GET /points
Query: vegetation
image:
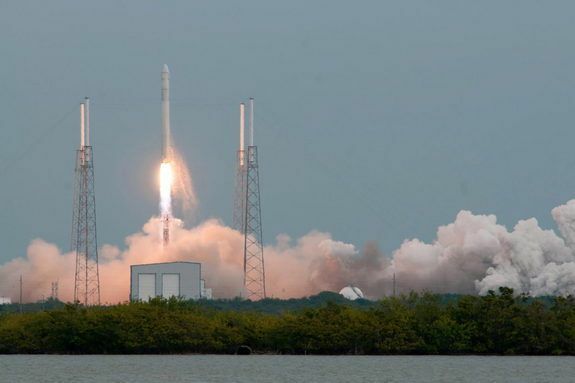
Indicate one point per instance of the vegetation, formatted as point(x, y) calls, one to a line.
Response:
point(499, 323)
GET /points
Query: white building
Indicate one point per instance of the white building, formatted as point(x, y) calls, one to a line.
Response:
point(5, 301)
point(206, 293)
point(352, 293)
point(169, 279)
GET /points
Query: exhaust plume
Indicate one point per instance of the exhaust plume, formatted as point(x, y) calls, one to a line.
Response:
point(474, 254)
point(183, 188)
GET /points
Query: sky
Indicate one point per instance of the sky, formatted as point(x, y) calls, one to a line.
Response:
point(375, 120)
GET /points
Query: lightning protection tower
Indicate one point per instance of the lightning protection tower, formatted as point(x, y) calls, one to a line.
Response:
point(84, 239)
point(54, 293)
point(240, 190)
point(254, 271)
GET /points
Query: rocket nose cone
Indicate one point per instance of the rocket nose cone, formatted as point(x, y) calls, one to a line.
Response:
point(165, 69)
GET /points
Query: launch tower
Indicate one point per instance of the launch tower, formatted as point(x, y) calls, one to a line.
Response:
point(250, 218)
point(84, 239)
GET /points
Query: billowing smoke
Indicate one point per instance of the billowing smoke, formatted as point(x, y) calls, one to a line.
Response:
point(292, 270)
point(316, 262)
point(474, 254)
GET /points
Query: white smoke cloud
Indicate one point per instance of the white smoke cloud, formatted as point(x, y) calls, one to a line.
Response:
point(564, 216)
point(474, 254)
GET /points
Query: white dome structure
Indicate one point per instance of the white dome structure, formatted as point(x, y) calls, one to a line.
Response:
point(351, 292)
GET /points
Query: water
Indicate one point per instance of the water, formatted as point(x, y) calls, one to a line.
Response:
point(252, 369)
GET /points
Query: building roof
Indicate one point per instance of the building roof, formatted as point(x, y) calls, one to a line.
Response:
point(166, 263)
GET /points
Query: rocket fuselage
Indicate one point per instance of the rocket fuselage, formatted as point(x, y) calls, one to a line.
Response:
point(166, 168)
point(166, 138)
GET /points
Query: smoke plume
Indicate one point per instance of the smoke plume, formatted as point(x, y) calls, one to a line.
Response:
point(474, 254)
point(183, 188)
point(218, 247)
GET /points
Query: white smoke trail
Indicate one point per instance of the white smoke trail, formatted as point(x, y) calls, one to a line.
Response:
point(183, 187)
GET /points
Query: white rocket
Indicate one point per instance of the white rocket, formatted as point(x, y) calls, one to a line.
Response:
point(165, 168)
point(166, 135)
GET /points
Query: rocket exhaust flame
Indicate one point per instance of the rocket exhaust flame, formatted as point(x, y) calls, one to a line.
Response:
point(166, 182)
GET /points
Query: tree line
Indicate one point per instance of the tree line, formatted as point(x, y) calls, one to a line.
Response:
point(498, 323)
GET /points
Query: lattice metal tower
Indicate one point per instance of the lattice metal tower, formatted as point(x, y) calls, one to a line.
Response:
point(240, 191)
point(84, 239)
point(254, 271)
point(54, 292)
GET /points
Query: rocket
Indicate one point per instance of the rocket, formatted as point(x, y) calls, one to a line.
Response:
point(166, 144)
point(166, 167)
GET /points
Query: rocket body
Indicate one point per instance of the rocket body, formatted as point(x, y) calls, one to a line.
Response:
point(166, 136)
point(166, 171)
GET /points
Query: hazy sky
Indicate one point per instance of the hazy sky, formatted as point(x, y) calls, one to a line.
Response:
point(374, 120)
